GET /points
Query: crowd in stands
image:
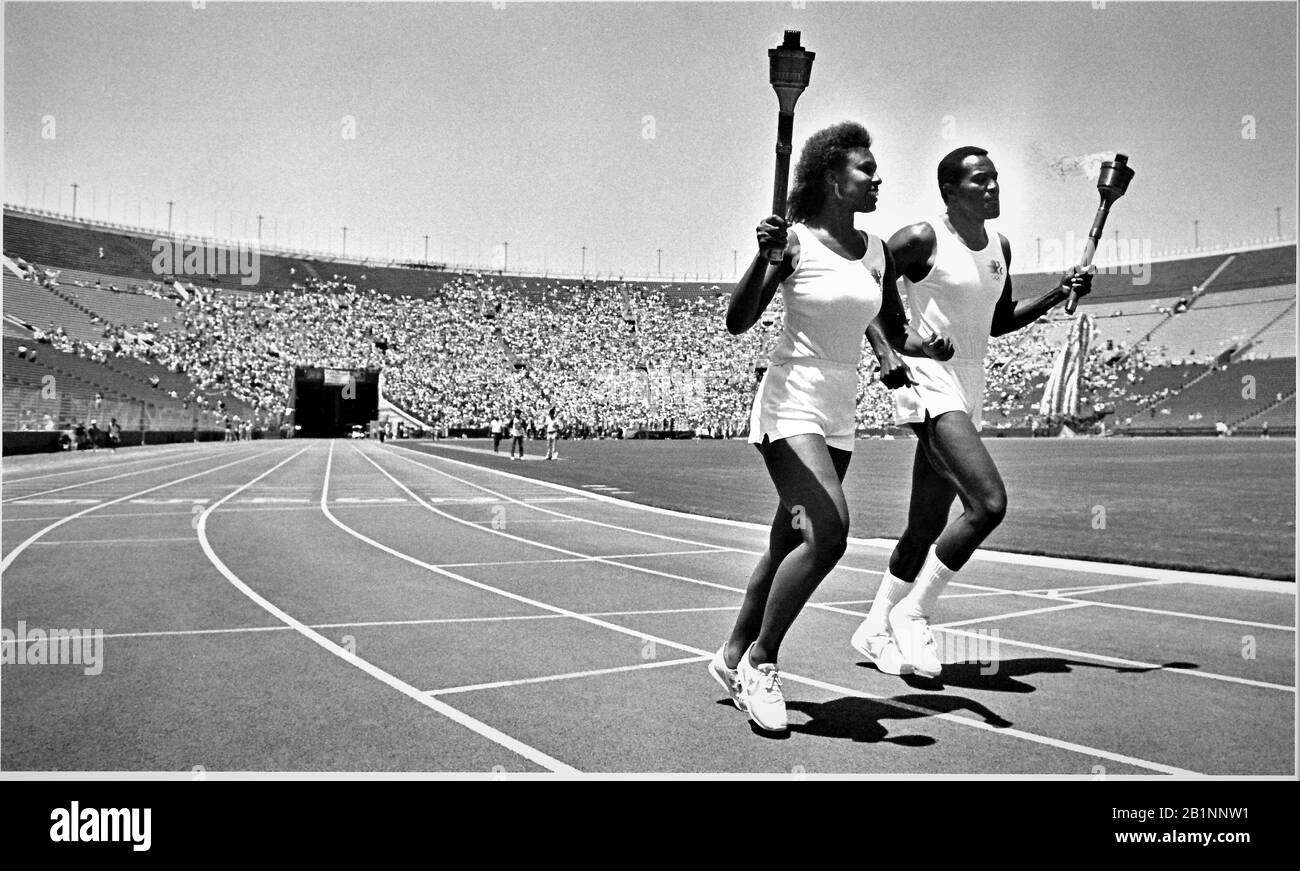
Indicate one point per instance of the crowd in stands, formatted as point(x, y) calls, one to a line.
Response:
point(607, 357)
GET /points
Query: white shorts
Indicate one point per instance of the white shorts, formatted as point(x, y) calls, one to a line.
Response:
point(942, 387)
point(800, 398)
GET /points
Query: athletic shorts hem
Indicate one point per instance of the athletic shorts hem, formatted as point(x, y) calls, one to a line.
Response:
point(797, 398)
point(787, 429)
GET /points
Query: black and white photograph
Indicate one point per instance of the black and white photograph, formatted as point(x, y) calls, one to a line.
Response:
point(518, 391)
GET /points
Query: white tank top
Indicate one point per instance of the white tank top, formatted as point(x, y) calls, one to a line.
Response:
point(829, 301)
point(959, 294)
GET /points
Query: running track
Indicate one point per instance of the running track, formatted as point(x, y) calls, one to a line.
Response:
point(347, 606)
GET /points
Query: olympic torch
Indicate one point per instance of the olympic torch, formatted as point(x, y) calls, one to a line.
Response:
point(791, 66)
point(1112, 184)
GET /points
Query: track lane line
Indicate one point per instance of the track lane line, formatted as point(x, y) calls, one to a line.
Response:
point(429, 621)
point(169, 513)
point(1101, 657)
point(18, 550)
point(916, 710)
point(529, 562)
point(1116, 606)
point(1047, 562)
point(481, 729)
point(820, 606)
point(1160, 575)
point(88, 467)
point(502, 684)
point(114, 541)
point(102, 480)
point(1030, 612)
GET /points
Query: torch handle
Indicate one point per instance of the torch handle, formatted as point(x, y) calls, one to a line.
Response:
point(781, 183)
point(1094, 239)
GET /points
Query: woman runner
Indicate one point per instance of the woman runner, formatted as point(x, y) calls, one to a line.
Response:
point(831, 277)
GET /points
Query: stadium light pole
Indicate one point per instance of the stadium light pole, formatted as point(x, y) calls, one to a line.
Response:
point(1039, 261)
point(1196, 234)
point(1277, 210)
point(735, 253)
point(169, 215)
point(505, 256)
point(259, 229)
point(74, 200)
point(660, 267)
point(345, 241)
point(584, 261)
point(426, 249)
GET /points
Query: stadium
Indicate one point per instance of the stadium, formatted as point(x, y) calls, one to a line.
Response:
point(260, 475)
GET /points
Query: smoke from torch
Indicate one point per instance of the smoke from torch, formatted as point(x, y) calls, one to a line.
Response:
point(1078, 166)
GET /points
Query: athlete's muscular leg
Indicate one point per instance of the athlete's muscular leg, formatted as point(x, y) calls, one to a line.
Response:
point(927, 513)
point(807, 476)
point(784, 536)
point(954, 445)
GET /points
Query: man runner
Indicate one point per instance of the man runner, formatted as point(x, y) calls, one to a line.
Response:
point(956, 272)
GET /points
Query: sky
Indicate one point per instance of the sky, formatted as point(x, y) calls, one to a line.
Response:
point(643, 132)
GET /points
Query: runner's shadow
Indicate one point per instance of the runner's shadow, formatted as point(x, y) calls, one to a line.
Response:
point(1001, 675)
point(852, 718)
point(857, 719)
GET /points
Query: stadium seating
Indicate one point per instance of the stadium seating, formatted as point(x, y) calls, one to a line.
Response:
point(1163, 278)
point(40, 307)
point(129, 254)
point(1222, 395)
point(1277, 338)
point(124, 308)
point(1216, 322)
point(1265, 267)
point(1177, 277)
point(1280, 418)
point(607, 353)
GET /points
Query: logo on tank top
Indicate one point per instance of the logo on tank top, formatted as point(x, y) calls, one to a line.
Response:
point(995, 267)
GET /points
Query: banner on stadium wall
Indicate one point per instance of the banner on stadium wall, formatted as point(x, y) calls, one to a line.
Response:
point(1061, 394)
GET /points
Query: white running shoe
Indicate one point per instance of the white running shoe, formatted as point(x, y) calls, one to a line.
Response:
point(880, 650)
point(916, 642)
point(760, 691)
point(727, 677)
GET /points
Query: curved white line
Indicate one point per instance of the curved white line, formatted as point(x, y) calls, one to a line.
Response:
point(153, 452)
point(13, 554)
point(347, 656)
point(1045, 562)
point(102, 480)
point(1082, 654)
point(889, 702)
point(966, 585)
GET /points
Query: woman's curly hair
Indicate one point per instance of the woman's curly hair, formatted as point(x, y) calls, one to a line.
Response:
point(827, 149)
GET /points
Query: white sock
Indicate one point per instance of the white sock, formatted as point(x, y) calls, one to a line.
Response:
point(931, 580)
point(891, 591)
